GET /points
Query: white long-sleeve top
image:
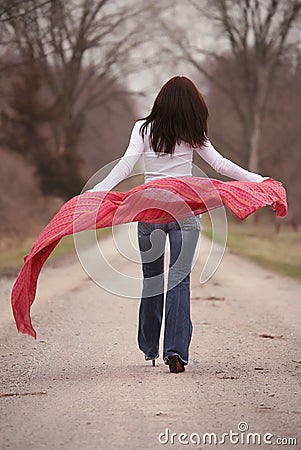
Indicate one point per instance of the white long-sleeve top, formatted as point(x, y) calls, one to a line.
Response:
point(166, 165)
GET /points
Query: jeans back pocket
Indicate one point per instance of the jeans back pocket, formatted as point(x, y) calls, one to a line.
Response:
point(190, 223)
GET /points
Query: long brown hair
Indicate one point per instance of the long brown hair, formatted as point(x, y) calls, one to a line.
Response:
point(179, 113)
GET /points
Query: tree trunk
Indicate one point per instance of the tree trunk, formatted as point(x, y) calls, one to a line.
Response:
point(257, 112)
point(253, 163)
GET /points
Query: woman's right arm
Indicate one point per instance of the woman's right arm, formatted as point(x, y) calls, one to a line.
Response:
point(224, 166)
point(126, 164)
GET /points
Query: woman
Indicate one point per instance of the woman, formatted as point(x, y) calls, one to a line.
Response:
point(166, 138)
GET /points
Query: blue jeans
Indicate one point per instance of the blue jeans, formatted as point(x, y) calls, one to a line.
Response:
point(183, 238)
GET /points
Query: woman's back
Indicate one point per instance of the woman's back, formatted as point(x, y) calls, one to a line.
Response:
point(167, 137)
point(178, 164)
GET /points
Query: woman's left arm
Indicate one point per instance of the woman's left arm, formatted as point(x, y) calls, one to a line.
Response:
point(224, 166)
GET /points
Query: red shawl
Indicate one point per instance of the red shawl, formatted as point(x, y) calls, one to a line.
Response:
point(158, 201)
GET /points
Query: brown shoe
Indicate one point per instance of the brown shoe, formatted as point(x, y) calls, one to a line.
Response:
point(175, 364)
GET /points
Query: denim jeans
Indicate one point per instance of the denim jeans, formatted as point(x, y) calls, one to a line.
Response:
point(183, 237)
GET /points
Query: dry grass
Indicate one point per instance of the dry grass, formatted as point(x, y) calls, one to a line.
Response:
point(260, 243)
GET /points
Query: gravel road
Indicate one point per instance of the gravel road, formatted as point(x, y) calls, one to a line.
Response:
point(84, 384)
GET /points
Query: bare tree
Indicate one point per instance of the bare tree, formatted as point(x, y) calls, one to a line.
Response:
point(13, 8)
point(258, 34)
point(69, 56)
point(281, 135)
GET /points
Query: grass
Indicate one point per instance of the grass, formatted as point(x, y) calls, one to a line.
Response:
point(11, 259)
point(259, 243)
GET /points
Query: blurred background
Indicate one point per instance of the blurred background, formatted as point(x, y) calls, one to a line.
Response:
point(75, 76)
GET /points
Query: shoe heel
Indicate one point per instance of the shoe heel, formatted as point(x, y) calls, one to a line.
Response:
point(153, 362)
point(175, 364)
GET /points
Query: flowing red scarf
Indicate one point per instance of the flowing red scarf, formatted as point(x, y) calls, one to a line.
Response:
point(155, 202)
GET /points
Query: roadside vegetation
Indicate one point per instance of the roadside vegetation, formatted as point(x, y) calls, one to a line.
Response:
point(259, 242)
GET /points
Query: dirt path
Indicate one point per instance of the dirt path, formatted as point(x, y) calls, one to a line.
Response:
point(88, 386)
